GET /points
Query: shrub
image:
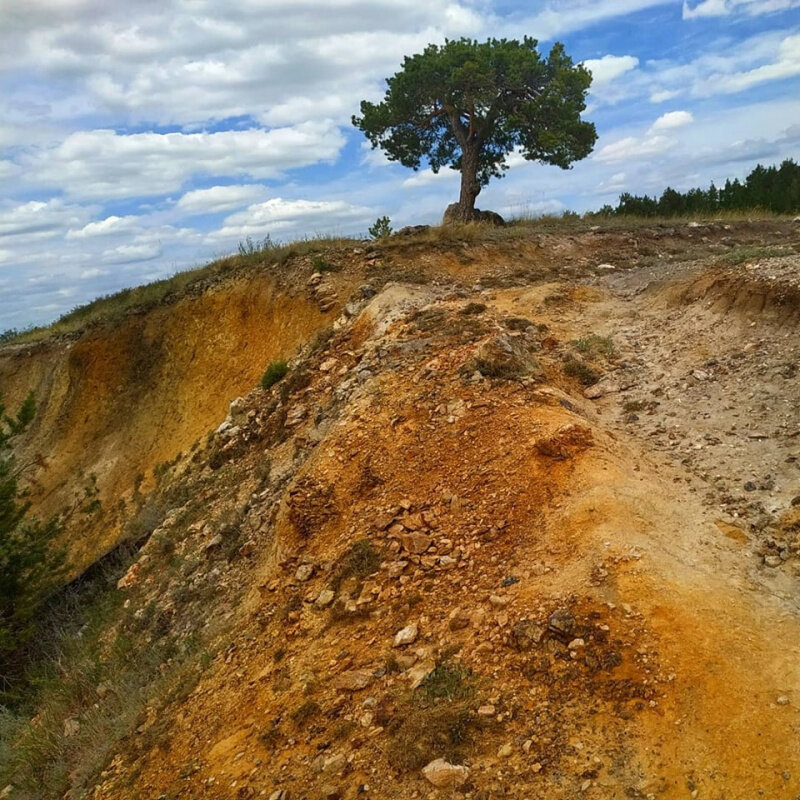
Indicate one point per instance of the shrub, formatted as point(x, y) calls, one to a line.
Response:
point(361, 559)
point(275, 372)
point(30, 567)
point(587, 375)
point(381, 228)
point(320, 264)
point(594, 346)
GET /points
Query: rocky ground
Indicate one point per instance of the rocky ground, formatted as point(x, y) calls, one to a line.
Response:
point(503, 533)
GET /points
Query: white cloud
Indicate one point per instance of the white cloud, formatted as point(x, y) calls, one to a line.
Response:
point(562, 16)
point(672, 120)
point(40, 219)
point(279, 217)
point(94, 272)
point(609, 68)
point(426, 177)
point(723, 8)
point(632, 147)
point(105, 164)
point(663, 95)
point(220, 198)
point(785, 65)
point(127, 253)
point(105, 227)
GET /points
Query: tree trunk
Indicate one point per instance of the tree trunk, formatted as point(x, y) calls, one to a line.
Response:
point(470, 188)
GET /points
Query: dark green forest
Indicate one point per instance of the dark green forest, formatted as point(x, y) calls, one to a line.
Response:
point(775, 189)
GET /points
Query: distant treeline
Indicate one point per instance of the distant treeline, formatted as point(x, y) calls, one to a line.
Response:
point(775, 189)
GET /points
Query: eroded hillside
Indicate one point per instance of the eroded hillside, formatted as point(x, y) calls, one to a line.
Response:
point(529, 508)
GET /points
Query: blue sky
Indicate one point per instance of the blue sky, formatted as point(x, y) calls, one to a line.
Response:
point(137, 139)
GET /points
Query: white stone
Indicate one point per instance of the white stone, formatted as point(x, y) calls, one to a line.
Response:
point(407, 635)
point(444, 775)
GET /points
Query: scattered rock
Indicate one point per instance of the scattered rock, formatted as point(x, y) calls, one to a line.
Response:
point(405, 636)
point(353, 680)
point(505, 358)
point(325, 598)
point(304, 572)
point(607, 385)
point(71, 727)
point(416, 543)
point(458, 620)
point(444, 775)
point(525, 634)
point(561, 622)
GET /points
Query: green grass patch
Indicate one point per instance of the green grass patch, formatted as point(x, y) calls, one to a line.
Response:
point(742, 255)
point(594, 346)
point(275, 372)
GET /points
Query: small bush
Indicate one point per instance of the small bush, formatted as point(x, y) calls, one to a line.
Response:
point(381, 229)
point(360, 560)
point(448, 682)
point(320, 264)
point(473, 308)
point(587, 375)
point(594, 346)
point(275, 372)
point(301, 715)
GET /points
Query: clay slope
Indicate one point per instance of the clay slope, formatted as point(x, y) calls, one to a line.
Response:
point(429, 543)
point(116, 402)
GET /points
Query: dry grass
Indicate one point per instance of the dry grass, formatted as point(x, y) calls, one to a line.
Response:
point(113, 307)
point(322, 250)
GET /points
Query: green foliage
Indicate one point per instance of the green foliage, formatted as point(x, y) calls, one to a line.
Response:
point(360, 560)
point(449, 681)
point(275, 372)
point(594, 346)
point(467, 105)
point(29, 565)
point(742, 254)
point(381, 228)
point(438, 721)
point(321, 264)
point(585, 373)
point(775, 189)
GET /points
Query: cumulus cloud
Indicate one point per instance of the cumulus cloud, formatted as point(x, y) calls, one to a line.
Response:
point(609, 68)
point(105, 227)
point(632, 147)
point(220, 198)
point(106, 164)
point(786, 64)
point(284, 217)
point(426, 177)
point(37, 219)
point(127, 253)
point(672, 120)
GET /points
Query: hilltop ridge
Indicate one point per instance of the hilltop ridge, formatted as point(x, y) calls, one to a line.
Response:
point(527, 507)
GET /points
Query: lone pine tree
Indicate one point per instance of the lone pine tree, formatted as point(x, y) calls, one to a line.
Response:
point(469, 104)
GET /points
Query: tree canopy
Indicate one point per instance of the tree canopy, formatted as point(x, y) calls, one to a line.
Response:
point(468, 105)
point(775, 189)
